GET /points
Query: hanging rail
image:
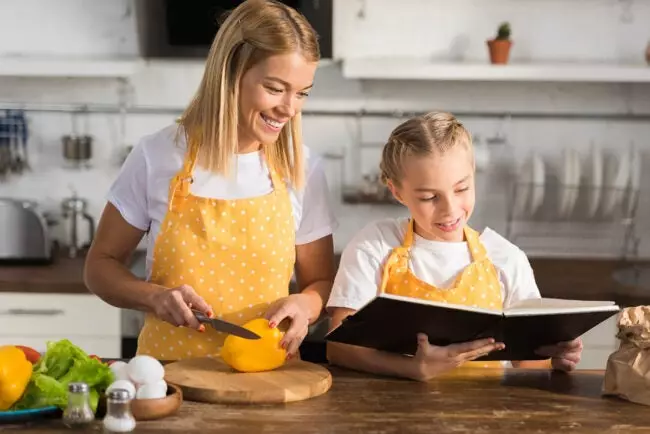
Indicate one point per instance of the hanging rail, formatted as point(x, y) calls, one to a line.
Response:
point(154, 110)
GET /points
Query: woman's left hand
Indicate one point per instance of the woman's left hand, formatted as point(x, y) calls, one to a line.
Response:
point(296, 307)
point(565, 356)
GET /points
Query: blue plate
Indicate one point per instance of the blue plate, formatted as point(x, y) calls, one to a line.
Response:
point(30, 414)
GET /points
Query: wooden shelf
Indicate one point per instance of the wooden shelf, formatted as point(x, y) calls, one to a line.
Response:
point(68, 67)
point(423, 69)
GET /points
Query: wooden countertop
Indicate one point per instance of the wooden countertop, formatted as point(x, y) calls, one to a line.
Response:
point(582, 279)
point(63, 275)
point(486, 401)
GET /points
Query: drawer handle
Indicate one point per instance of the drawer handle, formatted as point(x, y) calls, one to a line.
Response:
point(39, 312)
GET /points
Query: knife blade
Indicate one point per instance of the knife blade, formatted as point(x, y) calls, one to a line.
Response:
point(225, 326)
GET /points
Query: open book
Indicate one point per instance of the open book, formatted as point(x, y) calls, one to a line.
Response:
point(391, 323)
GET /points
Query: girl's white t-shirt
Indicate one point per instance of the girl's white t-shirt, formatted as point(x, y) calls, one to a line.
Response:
point(435, 262)
point(141, 190)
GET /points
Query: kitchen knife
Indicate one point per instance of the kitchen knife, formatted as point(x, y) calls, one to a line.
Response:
point(225, 326)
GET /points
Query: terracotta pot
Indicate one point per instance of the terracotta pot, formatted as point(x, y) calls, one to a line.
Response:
point(499, 50)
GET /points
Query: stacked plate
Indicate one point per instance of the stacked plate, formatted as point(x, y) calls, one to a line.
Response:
point(529, 193)
point(610, 184)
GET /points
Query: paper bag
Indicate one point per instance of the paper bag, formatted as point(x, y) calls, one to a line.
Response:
point(628, 369)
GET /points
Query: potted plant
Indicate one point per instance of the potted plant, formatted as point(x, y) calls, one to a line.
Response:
point(500, 46)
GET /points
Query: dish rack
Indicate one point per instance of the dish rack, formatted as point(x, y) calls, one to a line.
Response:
point(595, 199)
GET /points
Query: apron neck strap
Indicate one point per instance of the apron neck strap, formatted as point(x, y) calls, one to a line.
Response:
point(476, 247)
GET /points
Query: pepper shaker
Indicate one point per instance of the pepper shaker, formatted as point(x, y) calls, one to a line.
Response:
point(78, 412)
point(119, 417)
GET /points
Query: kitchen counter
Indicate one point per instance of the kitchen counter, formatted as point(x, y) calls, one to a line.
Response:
point(582, 279)
point(478, 401)
point(63, 275)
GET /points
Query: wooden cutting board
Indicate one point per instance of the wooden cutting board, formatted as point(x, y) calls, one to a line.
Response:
point(211, 380)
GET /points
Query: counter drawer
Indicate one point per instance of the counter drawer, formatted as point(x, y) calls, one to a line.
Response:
point(102, 346)
point(57, 314)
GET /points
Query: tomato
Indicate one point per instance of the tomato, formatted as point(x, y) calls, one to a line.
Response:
point(30, 353)
point(94, 356)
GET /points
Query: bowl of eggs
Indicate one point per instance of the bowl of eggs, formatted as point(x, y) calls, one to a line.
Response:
point(151, 397)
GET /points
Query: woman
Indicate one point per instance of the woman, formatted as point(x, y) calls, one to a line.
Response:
point(228, 200)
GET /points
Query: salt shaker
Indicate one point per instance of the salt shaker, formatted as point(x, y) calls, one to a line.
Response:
point(78, 412)
point(118, 412)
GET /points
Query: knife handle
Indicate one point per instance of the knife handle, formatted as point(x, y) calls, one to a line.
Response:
point(200, 316)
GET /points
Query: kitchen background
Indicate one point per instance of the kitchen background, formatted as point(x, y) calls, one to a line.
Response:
point(574, 101)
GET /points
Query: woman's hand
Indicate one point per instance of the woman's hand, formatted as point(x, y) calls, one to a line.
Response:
point(431, 360)
point(175, 306)
point(295, 307)
point(565, 356)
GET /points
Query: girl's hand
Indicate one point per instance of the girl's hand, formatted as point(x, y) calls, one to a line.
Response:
point(565, 356)
point(296, 307)
point(174, 306)
point(431, 360)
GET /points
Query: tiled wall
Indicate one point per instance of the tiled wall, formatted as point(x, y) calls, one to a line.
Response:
point(594, 29)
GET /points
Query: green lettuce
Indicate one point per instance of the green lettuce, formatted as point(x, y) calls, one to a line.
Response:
point(64, 363)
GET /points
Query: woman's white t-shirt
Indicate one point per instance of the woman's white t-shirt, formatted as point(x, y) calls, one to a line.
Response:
point(141, 190)
point(435, 262)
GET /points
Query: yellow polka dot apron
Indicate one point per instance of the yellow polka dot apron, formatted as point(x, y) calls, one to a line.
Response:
point(237, 254)
point(477, 285)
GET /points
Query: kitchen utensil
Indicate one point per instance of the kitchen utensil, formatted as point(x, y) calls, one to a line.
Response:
point(24, 232)
point(73, 209)
point(208, 379)
point(77, 149)
point(225, 326)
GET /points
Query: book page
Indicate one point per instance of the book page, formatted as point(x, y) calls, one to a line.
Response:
point(558, 305)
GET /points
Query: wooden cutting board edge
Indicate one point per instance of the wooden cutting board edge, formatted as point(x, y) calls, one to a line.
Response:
point(320, 377)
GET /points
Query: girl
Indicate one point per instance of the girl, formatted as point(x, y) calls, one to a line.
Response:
point(428, 165)
point(228, 200)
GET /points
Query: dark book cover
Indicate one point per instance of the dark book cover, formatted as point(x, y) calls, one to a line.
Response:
point(391, 323)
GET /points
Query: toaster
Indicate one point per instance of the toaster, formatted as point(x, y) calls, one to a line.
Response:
point(24, 232)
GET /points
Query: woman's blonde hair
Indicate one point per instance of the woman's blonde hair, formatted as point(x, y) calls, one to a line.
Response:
point(421, 136)
point(248, 34)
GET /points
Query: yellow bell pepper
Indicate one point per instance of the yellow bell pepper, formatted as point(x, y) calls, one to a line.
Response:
point(255, 355)
point(15, 372)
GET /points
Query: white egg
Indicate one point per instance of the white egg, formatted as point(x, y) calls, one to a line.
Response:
point(123, 384)
point(120, 371)
point(152, 390)
point(145, 369)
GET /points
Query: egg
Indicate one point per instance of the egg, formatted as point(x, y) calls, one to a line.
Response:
point(145, 370)
point(120, 371)
point(154, 390)
point(123, 384)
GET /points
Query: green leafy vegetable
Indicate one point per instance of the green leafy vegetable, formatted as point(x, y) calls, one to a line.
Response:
point(64, 363)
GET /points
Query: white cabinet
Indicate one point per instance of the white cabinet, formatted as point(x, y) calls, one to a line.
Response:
point(34, 319)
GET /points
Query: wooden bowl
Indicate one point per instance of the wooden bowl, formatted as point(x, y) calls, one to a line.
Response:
point(149, 409)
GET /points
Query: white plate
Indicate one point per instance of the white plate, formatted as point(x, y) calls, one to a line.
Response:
point(538, 175)
point(522, 189)
point(575, 181)
point(617, 174)
point(595, 181)
point(635, 180)
point(566, 187)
